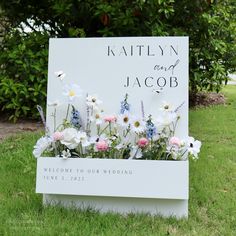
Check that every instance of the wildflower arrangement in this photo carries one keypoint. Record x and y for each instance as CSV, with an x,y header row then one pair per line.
x,y
122,136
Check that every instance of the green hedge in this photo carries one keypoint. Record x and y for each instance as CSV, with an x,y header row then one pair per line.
x,y
210,25
23,76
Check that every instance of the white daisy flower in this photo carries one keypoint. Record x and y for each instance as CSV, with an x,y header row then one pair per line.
x,y
42,145
72,91
137,124
60,74
93,101
166,107
97,117
82,138
166,118
124,120
193,147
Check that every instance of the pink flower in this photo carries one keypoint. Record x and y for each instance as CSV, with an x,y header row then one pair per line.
x,y
102,145
57,136
110,118
175,141
143,142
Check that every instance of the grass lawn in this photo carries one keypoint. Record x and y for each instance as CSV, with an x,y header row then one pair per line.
x,y
212,204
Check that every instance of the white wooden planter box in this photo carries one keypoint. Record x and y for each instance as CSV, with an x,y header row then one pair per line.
x,y
148,69
157,187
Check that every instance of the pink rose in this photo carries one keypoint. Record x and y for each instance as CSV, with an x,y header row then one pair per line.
x,y
175,141
57,136
143,142
110,118
102,145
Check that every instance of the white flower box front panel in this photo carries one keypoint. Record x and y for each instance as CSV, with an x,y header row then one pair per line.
x,y
113,177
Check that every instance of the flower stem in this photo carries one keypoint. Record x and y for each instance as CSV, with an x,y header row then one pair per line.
x,y
81,149
54,119
55,149
142,110
67,112
103,130
127,131
98,129
110,128
135,153
88,122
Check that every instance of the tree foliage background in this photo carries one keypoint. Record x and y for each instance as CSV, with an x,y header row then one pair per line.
x,y
210,24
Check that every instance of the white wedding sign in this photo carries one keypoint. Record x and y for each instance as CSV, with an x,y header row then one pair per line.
x,y
150,70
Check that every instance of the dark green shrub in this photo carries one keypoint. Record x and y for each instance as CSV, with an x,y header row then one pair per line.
x,y
23,75
212,31
210,24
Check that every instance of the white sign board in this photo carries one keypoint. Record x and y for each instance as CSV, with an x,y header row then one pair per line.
x,y
148,69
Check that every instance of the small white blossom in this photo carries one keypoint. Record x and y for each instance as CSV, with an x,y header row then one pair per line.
x,y
42,145
137,125
70,138
60,74
97,117
72,91
82,138
193,147
166,107
93,101
124,120
166,118
66,154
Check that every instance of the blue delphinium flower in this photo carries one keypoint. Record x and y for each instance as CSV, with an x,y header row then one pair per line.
x,y
124,105
150,128
75,118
